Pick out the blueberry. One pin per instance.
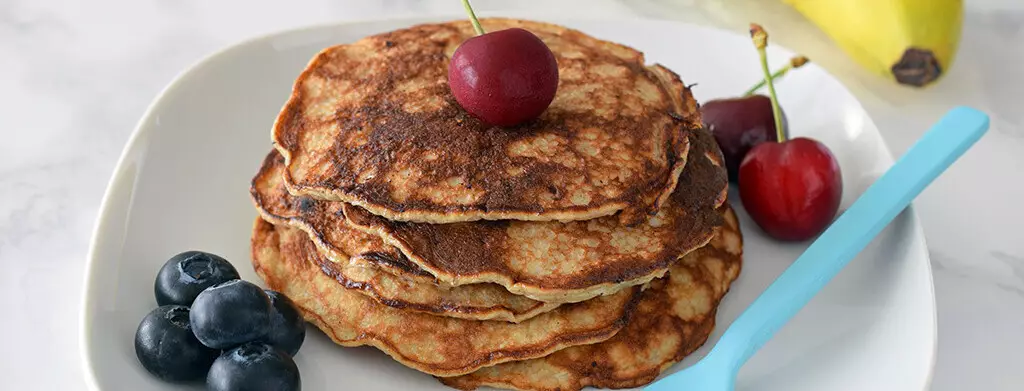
(185, 275)
(231, 313)
(166, 347)
(254, 366)
(287, 328)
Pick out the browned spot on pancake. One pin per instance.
(388, 259)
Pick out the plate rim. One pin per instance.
(115, 184)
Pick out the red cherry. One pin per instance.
(739, 124)
(505, 77)
(791, 189)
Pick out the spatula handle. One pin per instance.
(947, 140)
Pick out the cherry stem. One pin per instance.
(760, 38)
(795, 62)
(472, 18)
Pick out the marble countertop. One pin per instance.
(76, 76)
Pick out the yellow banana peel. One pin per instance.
(910, 41)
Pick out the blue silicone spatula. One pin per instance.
(947, 140)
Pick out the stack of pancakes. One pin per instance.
(588, 247)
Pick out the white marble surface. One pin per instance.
(75, 76)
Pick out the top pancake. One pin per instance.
(374, 124)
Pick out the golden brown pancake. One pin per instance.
(373, 123)
(675, 317)
(363, 262)
(441, 346)
(547, 261)
(477, 301)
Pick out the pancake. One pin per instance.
(364, 263)
(546, 261)
(477, 301)
(675, 317)
(373, 123)
(437, 345)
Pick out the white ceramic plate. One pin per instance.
(182, 183)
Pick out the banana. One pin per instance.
(910, 41)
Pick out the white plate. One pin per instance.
(182, 183)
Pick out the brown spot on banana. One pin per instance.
(918, 67)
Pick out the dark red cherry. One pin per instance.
(504, 77)
(791, 189)
(739, 124)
